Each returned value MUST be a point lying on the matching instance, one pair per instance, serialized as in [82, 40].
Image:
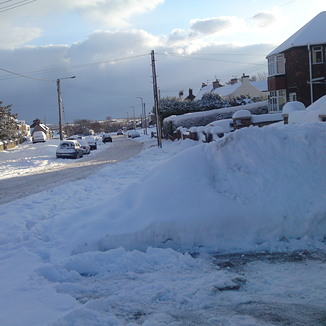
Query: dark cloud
[111, 70]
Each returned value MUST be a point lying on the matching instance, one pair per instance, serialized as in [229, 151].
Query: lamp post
[134, 123]
[143, 114]
[60, 104]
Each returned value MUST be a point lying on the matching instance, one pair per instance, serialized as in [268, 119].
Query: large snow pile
[256, 188]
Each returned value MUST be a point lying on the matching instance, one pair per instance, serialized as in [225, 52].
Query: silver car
[69, 149]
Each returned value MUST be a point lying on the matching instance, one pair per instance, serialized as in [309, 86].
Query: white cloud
[26, 23]
[17, 36]
[115, 13]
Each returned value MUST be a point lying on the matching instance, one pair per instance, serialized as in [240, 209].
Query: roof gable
[311, 33]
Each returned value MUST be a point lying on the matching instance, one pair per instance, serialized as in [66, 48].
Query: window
[276, 100]
[317, 54]
[271, 66]
[276, 65]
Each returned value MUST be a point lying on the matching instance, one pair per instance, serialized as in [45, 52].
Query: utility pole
[60, 109]
[60, 104]
[156, 103]
[144, 122]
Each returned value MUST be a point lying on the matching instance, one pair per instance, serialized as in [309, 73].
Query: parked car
[133, 134]
[69, 149]
[74, 137]
[39, 136]
[106, 138]
[85, 146]
[119, 132]
[92, 142]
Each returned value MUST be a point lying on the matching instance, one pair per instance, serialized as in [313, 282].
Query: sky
[106, 44]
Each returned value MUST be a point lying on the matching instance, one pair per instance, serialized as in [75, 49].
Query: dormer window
[276, 65]
[317, 54]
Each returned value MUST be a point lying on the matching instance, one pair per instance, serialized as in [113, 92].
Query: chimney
[244, 78]
[233, 81]
[216, 84]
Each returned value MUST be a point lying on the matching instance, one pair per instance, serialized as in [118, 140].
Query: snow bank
[256, 188]
[313, 112]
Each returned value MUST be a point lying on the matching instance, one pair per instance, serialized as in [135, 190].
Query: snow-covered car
[74, 137]
[106, 138]
[85, 146]
[39, 136]
[133, 134]
[69, 149]
[119, 132]
[92, 142]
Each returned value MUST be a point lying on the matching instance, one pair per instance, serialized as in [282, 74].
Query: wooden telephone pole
[156, 103]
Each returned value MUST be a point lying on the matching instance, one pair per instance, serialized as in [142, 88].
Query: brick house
[297, 68]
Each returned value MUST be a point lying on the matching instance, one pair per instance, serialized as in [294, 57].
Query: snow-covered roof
[261, 85]
[227, 89]
[311, 33]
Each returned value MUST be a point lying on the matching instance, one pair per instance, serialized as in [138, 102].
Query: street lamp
[134, 123]
[143, 113]
[60, 104]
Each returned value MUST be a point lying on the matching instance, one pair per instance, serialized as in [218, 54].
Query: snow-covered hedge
[194, 119]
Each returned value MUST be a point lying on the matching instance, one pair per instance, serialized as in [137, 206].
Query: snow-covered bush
[171, 123]
[175, 106]
[212, 101]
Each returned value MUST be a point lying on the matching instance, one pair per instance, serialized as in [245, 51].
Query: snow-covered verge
[112, 249]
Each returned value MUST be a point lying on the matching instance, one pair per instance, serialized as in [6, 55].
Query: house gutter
[310, 76]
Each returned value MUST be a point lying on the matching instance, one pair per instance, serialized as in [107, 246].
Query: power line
[54, 70]
[15, 5]
[25, 76]
[209, 59]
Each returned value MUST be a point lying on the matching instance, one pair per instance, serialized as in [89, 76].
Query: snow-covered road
[21, 176]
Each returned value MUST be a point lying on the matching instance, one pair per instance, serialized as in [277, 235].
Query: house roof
[228, 90]
[311, 33]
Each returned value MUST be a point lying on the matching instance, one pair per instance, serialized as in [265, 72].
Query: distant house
[23, 128]
[237, 89]
[297, 68]
[190, 96]
[38, 126]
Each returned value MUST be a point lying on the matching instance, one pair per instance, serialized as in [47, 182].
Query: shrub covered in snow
[189, 120]
[212, 101]
[175, 106]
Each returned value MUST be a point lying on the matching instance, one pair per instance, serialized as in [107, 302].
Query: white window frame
[276, 65]
[276, 100]
[317, 54]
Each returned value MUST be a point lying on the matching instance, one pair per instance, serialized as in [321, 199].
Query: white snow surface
[113, 248]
